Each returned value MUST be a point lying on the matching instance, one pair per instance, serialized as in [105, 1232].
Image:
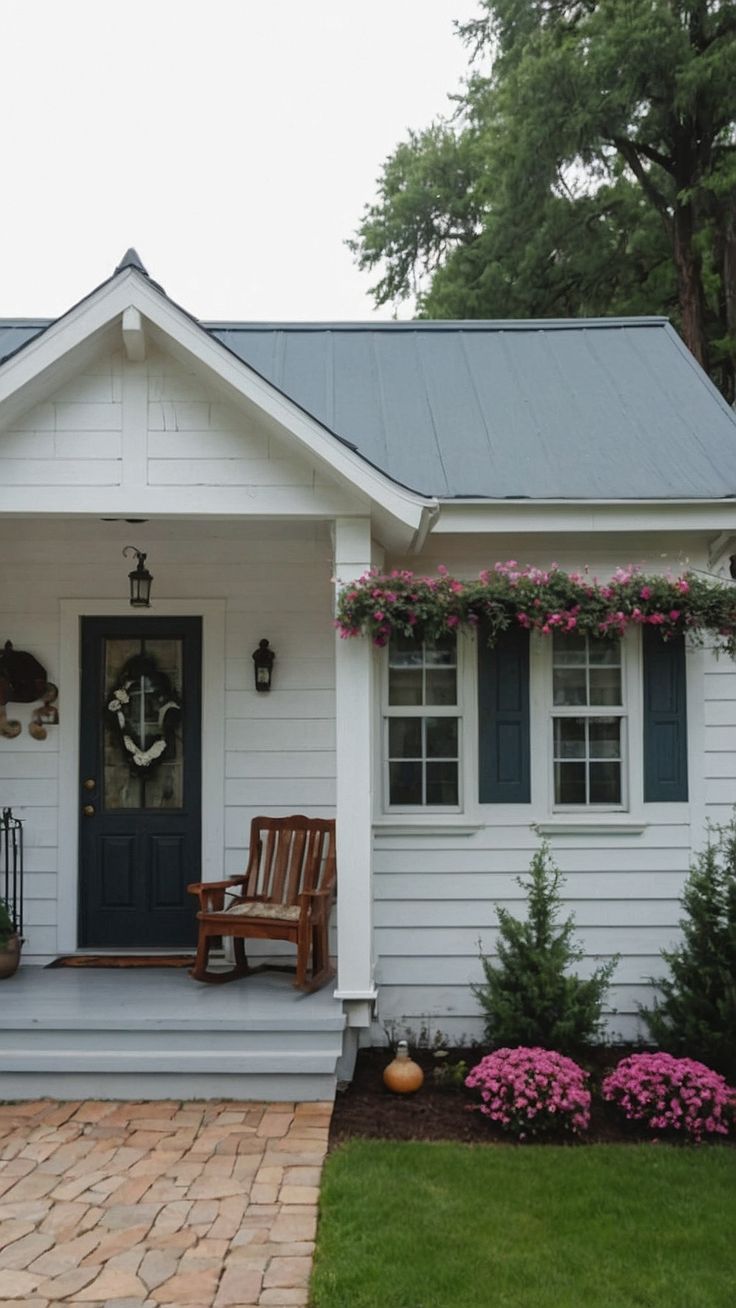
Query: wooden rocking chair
[286, 893]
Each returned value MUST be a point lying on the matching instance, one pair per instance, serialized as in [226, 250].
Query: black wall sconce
[140, 580]
[263, 661]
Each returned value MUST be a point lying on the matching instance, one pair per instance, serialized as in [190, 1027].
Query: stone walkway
[204, 1205]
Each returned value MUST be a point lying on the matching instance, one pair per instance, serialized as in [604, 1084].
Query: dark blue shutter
[665, 717]
[503, 718]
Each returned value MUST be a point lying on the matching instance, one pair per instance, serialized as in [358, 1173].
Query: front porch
[156, 1034]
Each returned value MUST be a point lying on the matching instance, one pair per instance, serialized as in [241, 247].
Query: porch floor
[158, 1034]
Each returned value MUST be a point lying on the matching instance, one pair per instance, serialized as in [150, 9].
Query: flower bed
[382, 605]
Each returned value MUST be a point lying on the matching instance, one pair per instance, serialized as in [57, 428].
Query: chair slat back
[290, 855]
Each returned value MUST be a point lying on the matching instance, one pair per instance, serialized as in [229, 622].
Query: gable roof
[591, 409]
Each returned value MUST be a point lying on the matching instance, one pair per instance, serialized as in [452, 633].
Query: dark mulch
[444, 1112]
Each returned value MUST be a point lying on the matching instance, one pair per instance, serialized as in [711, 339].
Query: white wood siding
[436, 895]
[72, 439]
[275, 580]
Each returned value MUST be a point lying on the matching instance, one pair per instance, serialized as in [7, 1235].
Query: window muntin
[422, 724]
[588, 722]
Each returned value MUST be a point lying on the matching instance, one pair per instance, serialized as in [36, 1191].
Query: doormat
[123, 960]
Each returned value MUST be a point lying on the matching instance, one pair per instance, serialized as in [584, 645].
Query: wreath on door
[143, 756]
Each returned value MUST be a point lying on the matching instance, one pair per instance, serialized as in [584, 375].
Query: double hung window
[422, 724]
[588, 722]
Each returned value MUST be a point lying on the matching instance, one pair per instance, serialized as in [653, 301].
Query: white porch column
[354, 720]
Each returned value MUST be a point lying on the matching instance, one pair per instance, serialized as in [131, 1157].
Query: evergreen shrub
[530, 996]
[695, 1012]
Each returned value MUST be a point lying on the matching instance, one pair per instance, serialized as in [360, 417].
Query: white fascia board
[133, 291]
[537, 516]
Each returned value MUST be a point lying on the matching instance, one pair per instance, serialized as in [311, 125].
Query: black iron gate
[11, 867]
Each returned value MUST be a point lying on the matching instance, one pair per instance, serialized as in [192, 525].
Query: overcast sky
[232, 142]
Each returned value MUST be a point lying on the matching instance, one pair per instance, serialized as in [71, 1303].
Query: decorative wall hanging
[146, 711]
[23, 681]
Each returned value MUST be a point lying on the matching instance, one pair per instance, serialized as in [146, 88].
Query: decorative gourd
[403, 1076]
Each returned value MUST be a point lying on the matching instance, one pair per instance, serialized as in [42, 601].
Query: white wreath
[143, 758]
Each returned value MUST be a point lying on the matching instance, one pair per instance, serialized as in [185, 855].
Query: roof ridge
[439, 324]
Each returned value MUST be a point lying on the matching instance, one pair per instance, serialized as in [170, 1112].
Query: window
[422, 724]
[588, 722]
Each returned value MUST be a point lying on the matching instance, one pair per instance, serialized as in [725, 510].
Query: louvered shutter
[503, 712]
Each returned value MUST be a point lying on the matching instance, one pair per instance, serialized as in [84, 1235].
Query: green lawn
[607, 1226]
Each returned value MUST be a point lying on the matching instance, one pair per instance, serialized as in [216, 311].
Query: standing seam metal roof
[594, 409]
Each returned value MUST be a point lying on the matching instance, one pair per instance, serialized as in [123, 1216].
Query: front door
[140, 781]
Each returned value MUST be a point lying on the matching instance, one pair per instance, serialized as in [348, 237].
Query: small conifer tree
[531, 996]
[695, 1013]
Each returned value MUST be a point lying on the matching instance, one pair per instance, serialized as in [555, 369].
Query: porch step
[153, 1035]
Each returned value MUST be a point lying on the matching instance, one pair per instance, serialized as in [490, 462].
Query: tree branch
[649, 152]
[628, 151]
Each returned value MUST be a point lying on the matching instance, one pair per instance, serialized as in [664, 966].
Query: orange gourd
[403, 1076]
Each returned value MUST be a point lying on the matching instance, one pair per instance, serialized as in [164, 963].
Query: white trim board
[212, 613]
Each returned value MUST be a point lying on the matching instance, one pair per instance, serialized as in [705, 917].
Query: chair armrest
[323, 898]
[212, 893]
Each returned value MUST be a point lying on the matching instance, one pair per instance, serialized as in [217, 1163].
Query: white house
[259, 466]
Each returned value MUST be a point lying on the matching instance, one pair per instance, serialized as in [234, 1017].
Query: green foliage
[589, 167]
[450, 1076]
[531, 997]
[7, 928]
[695, 1016]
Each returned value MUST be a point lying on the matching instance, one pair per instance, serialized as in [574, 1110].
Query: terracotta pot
[10, 956]
[403, 1076]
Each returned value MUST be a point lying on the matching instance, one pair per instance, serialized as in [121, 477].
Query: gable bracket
[134, 336]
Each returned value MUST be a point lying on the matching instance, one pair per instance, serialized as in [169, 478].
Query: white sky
[234, 143]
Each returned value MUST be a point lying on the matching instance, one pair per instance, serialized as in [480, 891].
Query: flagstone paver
[155, 1205]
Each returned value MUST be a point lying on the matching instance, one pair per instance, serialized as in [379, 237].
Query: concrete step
[150, 1035]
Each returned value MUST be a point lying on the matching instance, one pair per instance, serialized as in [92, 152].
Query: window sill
[426, 827]
[590, 826]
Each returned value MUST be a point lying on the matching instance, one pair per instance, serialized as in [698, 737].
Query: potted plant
[10, 943]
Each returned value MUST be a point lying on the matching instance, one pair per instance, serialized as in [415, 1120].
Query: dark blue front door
[140, 781]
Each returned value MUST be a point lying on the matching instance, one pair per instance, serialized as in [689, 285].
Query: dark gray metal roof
[592, 409]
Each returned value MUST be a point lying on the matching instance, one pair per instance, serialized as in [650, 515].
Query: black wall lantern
[263, 661]
[140, 580]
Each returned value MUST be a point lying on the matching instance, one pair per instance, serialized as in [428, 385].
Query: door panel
[140, 781]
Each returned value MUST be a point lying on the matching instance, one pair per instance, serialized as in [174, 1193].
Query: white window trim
[465, 710]
[543, 712]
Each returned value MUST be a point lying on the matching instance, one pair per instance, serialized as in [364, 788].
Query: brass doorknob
[88, 810]
[89, 784]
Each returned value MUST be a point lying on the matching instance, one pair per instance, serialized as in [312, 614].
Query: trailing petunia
[548, 600]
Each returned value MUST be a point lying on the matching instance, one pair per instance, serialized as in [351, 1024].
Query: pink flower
[674, 615]
[682, 585]
[453, 620]
[645, 593]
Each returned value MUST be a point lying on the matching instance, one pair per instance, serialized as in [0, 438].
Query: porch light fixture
[263, 661]
[140, 580]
